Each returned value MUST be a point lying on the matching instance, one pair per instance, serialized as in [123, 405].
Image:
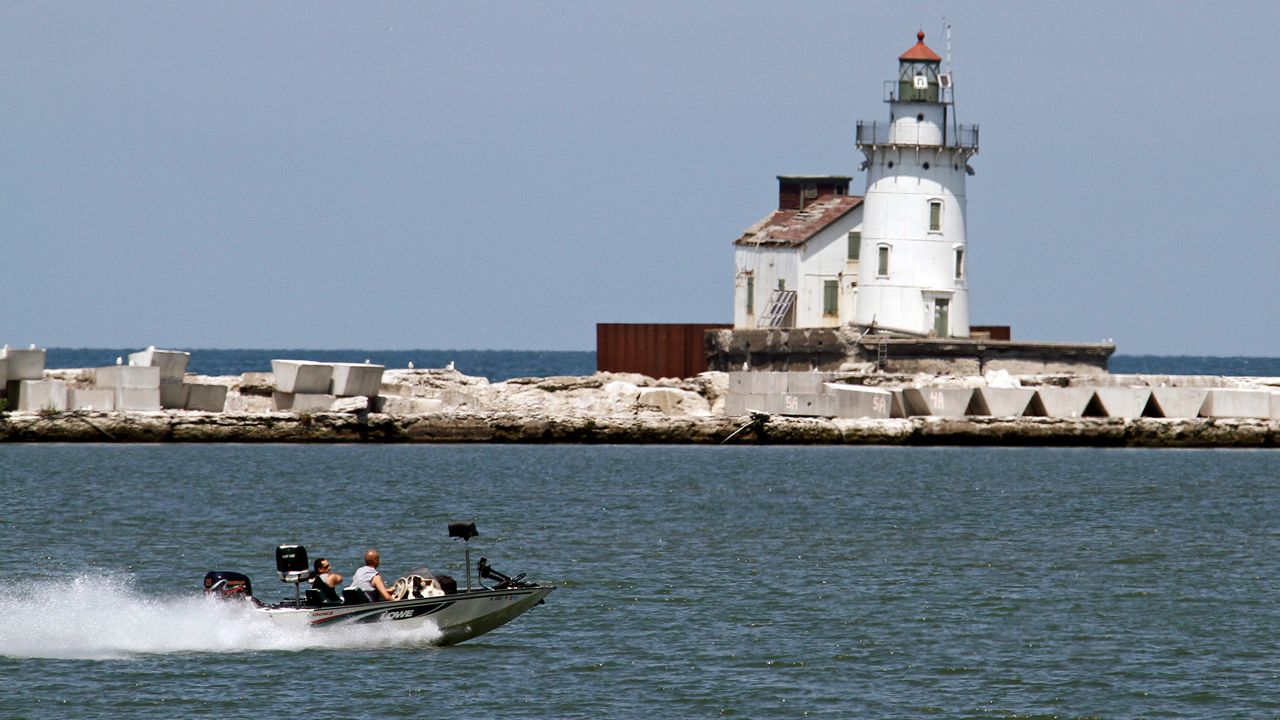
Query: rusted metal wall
[653, 349]
[994, 332]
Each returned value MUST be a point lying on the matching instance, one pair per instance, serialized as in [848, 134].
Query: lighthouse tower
[912, 276]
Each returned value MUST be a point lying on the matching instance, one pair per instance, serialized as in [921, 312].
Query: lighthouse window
[830, 297]
[959, 263]
[882, 267]
[920, 117]
[935, 216]
[926, 166]
[751, 295]
[855, 244]
[891, 164]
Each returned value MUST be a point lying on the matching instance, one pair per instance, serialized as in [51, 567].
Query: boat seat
[354, 596]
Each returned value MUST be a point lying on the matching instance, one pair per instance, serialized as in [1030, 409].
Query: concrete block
[1237, 403]
[899, 409]
[173, 394]
[206, 397]
[1002, 402]
[803, 404]
[302, 376]
[25, 364]
[353, 404]
[1123, 402]
[356, 379]
[130, 377]
[740, 382]
[1179, 402]
[138, 399]
[806, 383]
[395, 405]
[767, 382]
[743, 404]
[1275, 405]
[4, 371]
[397, 389]
[1064, 402]
[91, 399]
[302, 402]
[172, 363]
[938, 402]
[671, 401]
[856, 401]
[37, 395]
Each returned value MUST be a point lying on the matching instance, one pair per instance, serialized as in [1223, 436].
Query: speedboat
[424, 599]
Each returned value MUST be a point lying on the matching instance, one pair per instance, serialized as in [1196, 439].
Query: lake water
[693, 581]
[500, 365]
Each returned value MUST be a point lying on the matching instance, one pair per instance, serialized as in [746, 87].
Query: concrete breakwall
[157, 427]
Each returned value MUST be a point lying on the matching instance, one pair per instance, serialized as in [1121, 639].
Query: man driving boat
[368, 579]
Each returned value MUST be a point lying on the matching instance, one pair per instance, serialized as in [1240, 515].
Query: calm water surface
[694, 582]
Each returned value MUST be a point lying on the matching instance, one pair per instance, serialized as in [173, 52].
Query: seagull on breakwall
[410, 364]
[449, 366]
[119, 360]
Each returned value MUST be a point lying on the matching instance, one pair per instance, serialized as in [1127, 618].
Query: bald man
[369, 579]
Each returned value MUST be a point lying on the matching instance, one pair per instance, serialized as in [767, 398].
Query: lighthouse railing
[877, 133]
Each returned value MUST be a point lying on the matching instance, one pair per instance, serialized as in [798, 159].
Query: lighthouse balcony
[873, 134]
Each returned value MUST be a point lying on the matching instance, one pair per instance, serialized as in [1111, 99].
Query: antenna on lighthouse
[951, 84]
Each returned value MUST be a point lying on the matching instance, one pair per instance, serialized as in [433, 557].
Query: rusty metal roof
[920, 52]
[795, 227]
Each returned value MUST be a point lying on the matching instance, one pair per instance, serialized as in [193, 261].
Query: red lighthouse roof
[920, 52]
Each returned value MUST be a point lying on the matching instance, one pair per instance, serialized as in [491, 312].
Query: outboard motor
[291, 563]
[227, 585]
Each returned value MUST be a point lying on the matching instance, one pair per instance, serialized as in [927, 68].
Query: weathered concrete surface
[1222, 403]
[137, 399]
[1002, 402]
[302, 376]
[24, 364]
[526, 428]
[91, 399]
[938, 401]
[446, 406]
[37, 395]
[133, 377]
[1179, 402]
[1064, 402]
[356, 379]
[172, 363]
[846, 349]
[206, 397]
[1126, 402]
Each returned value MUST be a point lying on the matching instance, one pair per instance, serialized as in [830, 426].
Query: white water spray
[99, 618]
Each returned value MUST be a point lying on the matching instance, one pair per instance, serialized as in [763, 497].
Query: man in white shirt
[369, 579]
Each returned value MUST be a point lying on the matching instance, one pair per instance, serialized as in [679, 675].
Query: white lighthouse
[912, 276]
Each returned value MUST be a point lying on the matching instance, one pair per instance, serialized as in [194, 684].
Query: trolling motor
[487, 572]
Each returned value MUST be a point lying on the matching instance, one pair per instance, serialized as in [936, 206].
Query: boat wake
[101, 618]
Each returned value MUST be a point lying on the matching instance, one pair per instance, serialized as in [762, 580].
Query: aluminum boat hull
[459, 616]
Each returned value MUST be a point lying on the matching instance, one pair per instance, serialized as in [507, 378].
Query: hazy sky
[506, 175]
